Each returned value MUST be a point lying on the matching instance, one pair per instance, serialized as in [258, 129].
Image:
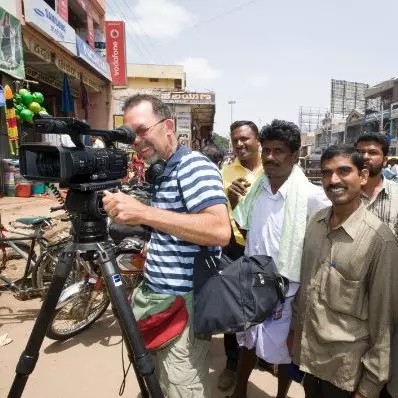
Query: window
[178, 84]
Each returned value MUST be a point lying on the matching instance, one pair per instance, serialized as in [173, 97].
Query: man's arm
[382, 312]
[209, 227]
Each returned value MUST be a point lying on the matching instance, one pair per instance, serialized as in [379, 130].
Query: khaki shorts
[182, 367]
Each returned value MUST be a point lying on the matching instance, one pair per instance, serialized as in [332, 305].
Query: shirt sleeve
[200, 183]
[382, 313]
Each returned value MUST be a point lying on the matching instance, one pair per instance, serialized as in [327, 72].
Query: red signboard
[63, 9]
[116, 51]
[90, 30]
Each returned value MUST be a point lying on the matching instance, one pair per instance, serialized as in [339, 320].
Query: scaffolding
[310, 118]
[345, 97]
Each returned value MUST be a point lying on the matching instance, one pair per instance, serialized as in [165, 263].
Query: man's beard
[152, 159]
[375, 170]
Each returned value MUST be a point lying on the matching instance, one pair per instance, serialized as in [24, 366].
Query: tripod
[90, 237]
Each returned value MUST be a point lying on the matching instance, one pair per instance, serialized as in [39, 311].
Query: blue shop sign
[87, 54]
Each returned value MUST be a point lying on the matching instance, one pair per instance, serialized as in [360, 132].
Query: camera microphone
[123, 134]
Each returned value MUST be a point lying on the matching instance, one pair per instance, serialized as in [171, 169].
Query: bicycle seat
[32, 220]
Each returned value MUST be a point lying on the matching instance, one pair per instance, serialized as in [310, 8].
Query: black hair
[160, 109]
[380, 139]
[214, 153]
[284, 131]
[344, 150]
[240, 123]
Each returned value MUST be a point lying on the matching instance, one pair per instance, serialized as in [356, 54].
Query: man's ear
[364, 175]
[295, 156]
[385, 160]
[169, 123]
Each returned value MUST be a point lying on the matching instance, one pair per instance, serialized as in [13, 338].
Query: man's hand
[123, 208]
[236, 189]
[358, 395]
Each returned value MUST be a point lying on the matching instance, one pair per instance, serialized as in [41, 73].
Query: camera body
[77, 166]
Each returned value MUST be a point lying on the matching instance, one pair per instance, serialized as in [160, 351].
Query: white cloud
[160, 19]
[258, 80]
[200, 69]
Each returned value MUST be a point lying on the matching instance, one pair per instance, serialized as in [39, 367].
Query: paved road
[88, 365]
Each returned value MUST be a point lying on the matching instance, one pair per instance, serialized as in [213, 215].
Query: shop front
[193, 113]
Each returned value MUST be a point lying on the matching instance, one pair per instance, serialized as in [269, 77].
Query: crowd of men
[336, 244]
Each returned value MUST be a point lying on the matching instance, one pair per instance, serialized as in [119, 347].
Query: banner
[39, 14]
[88, 54]
[90, 30]
[63, 9]
[116, 51]
[11, 53]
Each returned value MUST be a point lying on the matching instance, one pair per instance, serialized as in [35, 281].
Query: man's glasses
[142, 132]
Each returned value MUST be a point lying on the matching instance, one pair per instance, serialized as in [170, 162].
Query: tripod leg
[117, 292]
[141, 381]
[29, 357]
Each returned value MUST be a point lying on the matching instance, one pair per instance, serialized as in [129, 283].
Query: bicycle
[39, 266]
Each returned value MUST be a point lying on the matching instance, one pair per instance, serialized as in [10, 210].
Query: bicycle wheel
[80, 312]
[43, 273]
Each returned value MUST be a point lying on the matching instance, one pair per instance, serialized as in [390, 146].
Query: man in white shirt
[284, 187]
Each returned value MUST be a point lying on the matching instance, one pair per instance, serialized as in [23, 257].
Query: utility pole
[232, 103]
[381, 116]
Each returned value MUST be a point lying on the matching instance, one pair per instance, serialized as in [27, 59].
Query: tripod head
[88, 217]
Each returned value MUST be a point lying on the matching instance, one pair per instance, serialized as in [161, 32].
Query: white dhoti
[269, 338]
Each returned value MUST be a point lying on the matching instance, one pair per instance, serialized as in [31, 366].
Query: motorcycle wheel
[73, 318]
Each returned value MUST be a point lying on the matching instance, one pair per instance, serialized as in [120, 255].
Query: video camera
[80, 168]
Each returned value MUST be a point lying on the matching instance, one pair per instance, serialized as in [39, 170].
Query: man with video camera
[188, 210]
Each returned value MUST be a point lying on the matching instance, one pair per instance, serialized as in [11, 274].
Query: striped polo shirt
[189, 184]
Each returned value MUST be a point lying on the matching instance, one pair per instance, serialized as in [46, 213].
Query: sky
[270, 57]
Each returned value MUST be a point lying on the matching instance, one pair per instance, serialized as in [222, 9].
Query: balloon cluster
[28, 104]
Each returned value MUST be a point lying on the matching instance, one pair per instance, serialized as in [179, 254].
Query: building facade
[61, 60]
[193, 112]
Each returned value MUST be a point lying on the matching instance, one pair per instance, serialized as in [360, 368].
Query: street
[90, 364]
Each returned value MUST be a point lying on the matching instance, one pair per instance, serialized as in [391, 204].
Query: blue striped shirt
[169, 264]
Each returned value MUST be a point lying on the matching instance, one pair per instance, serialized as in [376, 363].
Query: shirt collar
[282, 190]
[350, 226]
[174, 160]
[386, 187]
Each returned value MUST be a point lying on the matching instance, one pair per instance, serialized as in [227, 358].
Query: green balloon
[38, 97]
[26, 115]
[23, 91]
[27, 98]
[18, 98]
[34, 107]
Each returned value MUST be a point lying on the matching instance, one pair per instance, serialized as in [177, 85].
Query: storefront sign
[41, 77]
[116, 51]
[45, 19]
[88, 54]
[187, 98]
[11, 54]
[89, 81]
[63, 9]
[41, 51]
[183, 128]
[67, 67]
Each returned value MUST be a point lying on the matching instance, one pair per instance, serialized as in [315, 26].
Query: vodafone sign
[116, 51]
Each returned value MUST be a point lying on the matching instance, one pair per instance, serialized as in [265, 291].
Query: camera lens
[48, 164]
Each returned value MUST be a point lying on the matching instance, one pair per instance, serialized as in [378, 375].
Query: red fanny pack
[159, 329]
